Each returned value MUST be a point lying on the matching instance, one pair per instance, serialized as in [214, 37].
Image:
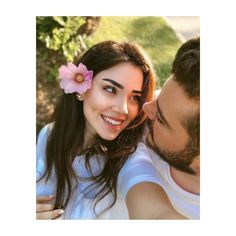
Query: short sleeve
[41, 150]
[42, 187]
[138, 168]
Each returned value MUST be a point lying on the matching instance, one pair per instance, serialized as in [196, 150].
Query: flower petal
[71, 87]
[88, 75]
[83, 87]
[72, 67]
[64, 82]
[65, 72]
[82, 69]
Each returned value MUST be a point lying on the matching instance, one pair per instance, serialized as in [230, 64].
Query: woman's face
[113, 101]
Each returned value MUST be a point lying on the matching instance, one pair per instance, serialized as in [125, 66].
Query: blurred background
[62, 39]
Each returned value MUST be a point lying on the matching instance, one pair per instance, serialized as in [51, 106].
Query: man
[174, 138]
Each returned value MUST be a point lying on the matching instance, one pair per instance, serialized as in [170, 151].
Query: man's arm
[149, 201]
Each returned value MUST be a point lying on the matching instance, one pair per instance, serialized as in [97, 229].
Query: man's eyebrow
[114, 83]
[161, 114]
[120, 85]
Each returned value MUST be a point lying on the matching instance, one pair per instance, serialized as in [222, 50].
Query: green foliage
[152, 33]
[61, 34]
[52, 72]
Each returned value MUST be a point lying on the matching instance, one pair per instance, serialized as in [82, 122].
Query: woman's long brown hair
[67, 134]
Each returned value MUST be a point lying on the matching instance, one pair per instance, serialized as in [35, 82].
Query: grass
[152, 33]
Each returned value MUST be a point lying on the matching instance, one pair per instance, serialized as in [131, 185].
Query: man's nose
[150, 110]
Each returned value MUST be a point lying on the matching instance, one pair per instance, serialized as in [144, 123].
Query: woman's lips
[112, 121]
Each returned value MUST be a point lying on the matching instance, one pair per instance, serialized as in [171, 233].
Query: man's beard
[181, 160]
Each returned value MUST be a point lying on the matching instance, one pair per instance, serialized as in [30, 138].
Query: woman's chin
[109, 137]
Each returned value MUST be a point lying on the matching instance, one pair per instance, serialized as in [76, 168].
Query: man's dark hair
[186, 71]
[186, 67]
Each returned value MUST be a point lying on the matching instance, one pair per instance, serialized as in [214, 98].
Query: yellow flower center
[79, 78]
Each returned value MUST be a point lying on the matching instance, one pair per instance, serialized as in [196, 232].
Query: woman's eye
[110, 89]
[136, 98]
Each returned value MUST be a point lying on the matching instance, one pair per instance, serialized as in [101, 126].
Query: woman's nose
[121, 106]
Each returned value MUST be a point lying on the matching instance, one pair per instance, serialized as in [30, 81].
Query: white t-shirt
[138, 168]
[187, 204]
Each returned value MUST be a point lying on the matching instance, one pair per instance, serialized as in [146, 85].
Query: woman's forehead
[125, 74]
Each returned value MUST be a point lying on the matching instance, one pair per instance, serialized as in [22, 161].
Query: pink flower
[75, 79]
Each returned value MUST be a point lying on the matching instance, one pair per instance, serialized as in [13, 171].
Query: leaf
[59, 20]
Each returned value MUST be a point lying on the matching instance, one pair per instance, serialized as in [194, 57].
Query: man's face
[167, 135]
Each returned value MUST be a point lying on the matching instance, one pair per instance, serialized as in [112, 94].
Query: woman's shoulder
[41, 148]
[45, 131]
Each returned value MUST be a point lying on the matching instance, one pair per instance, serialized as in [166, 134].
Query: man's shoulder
[149, 201]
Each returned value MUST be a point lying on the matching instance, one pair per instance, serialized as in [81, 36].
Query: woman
[97, 125]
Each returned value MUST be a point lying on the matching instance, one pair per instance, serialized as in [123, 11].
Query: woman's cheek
[133, 113]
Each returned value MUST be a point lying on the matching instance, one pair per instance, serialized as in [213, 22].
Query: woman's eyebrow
[137, 91]
[120, 86]
[114, 83]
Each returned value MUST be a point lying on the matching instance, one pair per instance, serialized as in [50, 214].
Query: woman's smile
[112, 121]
